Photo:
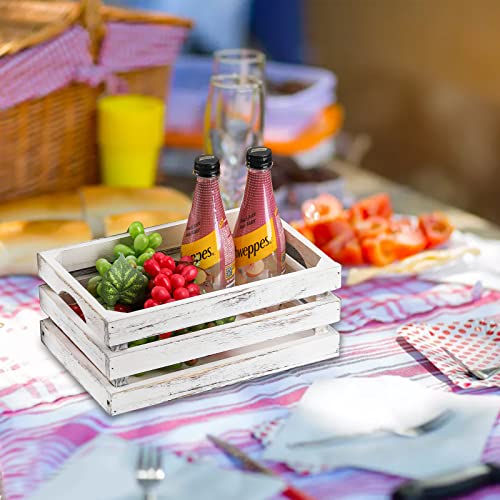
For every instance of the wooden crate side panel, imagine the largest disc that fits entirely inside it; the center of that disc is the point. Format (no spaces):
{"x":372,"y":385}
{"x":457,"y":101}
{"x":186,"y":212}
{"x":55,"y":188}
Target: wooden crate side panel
{"x":215,"y":340}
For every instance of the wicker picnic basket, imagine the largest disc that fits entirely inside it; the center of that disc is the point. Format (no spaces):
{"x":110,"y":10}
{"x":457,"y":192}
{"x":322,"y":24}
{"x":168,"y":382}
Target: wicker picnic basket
{"x":48,"y":143}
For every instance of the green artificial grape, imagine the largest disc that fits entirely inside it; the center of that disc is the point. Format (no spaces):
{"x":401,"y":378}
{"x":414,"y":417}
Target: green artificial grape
{"x":137,"y":342}
{"x":132,"y":260}
{"x":98,"y":289}
{"x":145,"y":256}
{"x":219,"y":322}
{"x":135,"y":229}
{"x":153,"y":339}
{"x":102,"y":266}
{"x":231,"y":319}
{"x":92,"y":285}
{"x":197,"y":328}
{"x":141,"y":242}
{"x":180,"y":332}
{"x":155,"y":240}
{"x":173,"y":368}
{"x":125,"y":250}
{"x":141,"y":269}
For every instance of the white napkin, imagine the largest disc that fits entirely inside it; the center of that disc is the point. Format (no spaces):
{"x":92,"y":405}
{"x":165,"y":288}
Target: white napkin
{"x":104,"y":469}
{"x":341,"y":407}
{"x":471,"y":269}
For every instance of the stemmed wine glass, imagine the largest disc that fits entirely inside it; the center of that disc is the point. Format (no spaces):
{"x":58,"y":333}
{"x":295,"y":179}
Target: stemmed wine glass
{"x":234,"y":117}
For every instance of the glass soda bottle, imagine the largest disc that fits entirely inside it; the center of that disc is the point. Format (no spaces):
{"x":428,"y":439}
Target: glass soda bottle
{"x":207,"y":237}
{"x":259,"y":238}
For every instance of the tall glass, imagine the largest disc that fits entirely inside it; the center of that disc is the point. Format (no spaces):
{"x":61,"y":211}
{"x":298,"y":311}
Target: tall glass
{"x":234,"y":117}
{"x":244,"y":62}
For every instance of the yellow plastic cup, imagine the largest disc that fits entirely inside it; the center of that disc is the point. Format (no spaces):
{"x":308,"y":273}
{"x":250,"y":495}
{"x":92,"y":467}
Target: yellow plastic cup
{"x":130,"y":136}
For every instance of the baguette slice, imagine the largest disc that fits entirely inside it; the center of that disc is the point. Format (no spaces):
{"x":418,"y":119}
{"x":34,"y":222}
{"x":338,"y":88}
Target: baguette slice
{"x":119,"y":223}
{"x":21,"y":240}
{"x":100,"y":202}
{"x":57,"y":206}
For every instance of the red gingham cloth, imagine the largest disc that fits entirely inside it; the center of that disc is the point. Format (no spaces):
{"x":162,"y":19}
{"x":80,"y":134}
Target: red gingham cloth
{"x":37,"y":71}
{"x":133,"y":46}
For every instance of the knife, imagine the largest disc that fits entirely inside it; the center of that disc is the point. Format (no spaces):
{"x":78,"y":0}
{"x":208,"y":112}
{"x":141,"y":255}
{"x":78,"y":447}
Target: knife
{"x":247,"y":463}
{"x":450,"y":485}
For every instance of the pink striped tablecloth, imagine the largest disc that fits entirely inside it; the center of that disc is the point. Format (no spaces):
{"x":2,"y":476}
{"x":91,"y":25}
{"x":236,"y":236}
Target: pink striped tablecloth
{"x":45,"y":416}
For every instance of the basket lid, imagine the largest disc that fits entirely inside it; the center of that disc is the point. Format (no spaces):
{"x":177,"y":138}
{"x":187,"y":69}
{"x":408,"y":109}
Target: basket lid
{"x":27,"y":23}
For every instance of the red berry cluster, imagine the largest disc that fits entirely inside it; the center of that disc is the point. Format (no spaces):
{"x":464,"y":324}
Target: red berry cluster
{"x":123,"y":308}
{"x":170,"y":281}
{"x":76,"y":308}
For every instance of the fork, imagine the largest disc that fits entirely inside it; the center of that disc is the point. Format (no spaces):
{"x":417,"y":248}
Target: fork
{"x":483,"y":374}
{"x":410,"y":432}
{"x":149,"y":471}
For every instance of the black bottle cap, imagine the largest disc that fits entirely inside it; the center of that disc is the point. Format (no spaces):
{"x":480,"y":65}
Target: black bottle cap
{"x":207,"y":166}
{"x":259,"y":158}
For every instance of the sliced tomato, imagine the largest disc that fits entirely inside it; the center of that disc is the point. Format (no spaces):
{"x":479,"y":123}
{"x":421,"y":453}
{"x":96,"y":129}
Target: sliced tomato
{"x":371,"y":227}
{"x":326,"y":231}
{"x":401,"y":225}
{"x":436,"y":227}
{"x":323,"y":208}
{"x":351,"y":254}
{"x":303,"y":229}
{"x":380,"y":250}
{"x":333,"y":248}
{"x":378,"y":205}
{"x":409,"y":242}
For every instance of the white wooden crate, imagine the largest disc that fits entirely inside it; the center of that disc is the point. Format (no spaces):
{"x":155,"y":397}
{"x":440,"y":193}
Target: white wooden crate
{"x":278,"y":318}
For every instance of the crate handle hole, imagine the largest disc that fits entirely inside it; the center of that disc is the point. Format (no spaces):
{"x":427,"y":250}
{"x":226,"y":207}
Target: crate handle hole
{"x":73,"y":305}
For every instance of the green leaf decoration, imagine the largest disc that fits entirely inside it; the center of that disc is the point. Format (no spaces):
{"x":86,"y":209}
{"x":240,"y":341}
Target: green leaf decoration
{"x":122,"y":283}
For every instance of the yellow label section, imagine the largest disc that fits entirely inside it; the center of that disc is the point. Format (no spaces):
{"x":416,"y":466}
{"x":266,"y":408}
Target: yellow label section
{"x":204,"y":250}
{"x":256,"y":245}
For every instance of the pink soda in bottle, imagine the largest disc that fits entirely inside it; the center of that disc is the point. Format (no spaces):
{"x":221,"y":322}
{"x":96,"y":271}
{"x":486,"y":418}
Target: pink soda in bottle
{"x":207,"y":238}
{"x":259,"y":238}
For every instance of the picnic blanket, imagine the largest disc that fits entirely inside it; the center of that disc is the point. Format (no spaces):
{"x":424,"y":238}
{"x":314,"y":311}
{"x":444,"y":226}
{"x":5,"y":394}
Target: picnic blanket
{"x":45,"y":416}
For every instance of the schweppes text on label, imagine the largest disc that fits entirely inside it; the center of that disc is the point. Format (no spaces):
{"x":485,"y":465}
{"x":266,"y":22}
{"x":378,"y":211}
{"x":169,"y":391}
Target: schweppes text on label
{"x":204,"y":250}
{"x":256,"y":245}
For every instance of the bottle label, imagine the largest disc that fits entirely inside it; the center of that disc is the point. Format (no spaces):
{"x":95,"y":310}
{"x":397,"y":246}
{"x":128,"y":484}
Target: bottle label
{"x":256,"y":245}
{"x":204,"y":251}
